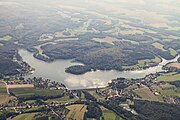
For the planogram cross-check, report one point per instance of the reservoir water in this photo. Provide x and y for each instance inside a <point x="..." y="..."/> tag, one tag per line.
<point x="56" y="71"/>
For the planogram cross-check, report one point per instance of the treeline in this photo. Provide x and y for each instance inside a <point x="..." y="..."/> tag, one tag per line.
<point x="7" y="65"/>
<point x="77" y="69"/>
<point x="94" y="111"/>
<point x="7" y="114"/>
<point x="151" y="110"/>
<point x="176" y="83"/>
<point x="88" y="96"/>
<point x="114" y="106"/>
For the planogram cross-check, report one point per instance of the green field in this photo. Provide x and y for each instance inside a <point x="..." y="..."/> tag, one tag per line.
<point x="3" y="88"/>
<point x="76" y="111"/>
<point x="27" y="116"/>
<point x="170" y="92"/>
<point x="30" y="101"/>
<point x="172" y="52"/>
<point x="173" y="76"/>
<point x="4" y="97"/>
<point x="110" y="115"/>
<point x="46" y="37"/>
<point x="159" y="46"/>
<point x="26" y="92"/>
<point x="33" y="109"/>
<point x="167" y="89"/>
<point x="64" y="99"/>
<point x="156" y="60"/>
<point x="141" y="63"/>
<point x="6" y="38"/>
<point x="146" y="94"/>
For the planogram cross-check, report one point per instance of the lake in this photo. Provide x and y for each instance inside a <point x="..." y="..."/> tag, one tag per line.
<point x="56" y="71"/>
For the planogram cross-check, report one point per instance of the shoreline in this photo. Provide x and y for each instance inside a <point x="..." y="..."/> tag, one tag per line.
<point x="124" y="70"/>
<point x="85" y="80"/>
<point x="50" y="60"/>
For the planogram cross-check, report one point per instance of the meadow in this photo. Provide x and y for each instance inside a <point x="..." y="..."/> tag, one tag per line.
<point x="27" y="92"/>
<point x="4" y="97"/>
<point x="173" y="76"/>
<point x="5" y="38"/>
<point x="146" y="94"/>
<point x="26" y="116"/>
<point x="76" y="111"/>
<point x="64" y="99"/>
<point x="109" y="115"/>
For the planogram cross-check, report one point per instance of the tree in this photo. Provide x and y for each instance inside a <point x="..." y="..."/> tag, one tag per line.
<point x="93" y="111"/>
<point x="1" y="76"/>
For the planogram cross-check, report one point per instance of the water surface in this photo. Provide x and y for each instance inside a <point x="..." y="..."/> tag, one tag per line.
<point x="56" y="71"/>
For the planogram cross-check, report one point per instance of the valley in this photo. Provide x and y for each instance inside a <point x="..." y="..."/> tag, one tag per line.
<point x="89" y="60"/>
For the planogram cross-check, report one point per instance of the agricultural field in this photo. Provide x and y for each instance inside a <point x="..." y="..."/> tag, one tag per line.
<point x="26" y="116"/>
<point x="76" y="111"/>
<point x="172" y="52"/>
<point x="5" y="38"/>
<point x="4" y="97"/>
<point x="30" y="101"/>
<point x="66" y="39"/>
<point x="168" y="89"/>
<point x="173" y="76"/>
<point x="26" y="92"/>
<point x="33" y="108"/>
<point x="109" y="115"/>
<point x="108" y="35"/>
<point x="20" y="86"/>
<point x="167" y="86"/>
<point x="46" y="37"/>
<point x="142" y="63"/>
<point x="159" y="46"/>
<point x="146" y="94"/>
<point x="65" y="99"/>
<point x="3" y="89"/>
<point x="174" y="65"/>
<point x="155" y="60"/>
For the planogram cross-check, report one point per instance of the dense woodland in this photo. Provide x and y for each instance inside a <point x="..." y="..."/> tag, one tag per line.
<point x="28" y="33"/>
<point x="93" y="111"/>
<point x="100" y="39"/>
<point x="157" y="110"/>
<point x="102" y="56"/>
<point x="95" y="55"/>
<point x="176" y="83"/>
<point x="7" y="65"/>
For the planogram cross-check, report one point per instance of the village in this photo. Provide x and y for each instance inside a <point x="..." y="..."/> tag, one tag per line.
<point x="39" y="95"/>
